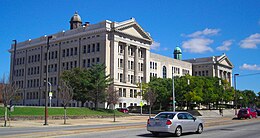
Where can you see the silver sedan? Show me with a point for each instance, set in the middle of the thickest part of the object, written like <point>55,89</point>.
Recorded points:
<point>174,122</point>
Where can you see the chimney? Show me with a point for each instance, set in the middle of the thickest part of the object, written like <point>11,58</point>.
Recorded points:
<point>86,24</point>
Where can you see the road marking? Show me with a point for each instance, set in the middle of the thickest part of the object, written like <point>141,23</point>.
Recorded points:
<point>73,131</point>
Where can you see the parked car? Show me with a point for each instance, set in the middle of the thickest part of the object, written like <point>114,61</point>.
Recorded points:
<point>247,113</point>
<point>258,111</point>
<point>175,123</point>
<point>123,110</point>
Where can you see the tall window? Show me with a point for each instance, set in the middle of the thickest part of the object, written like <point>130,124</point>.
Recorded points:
<point>120,92</point>
<point>84,49</point>
<point>164,72</point>
<point>88,48</point>
<point>93,47</point>
<point>98,47</point>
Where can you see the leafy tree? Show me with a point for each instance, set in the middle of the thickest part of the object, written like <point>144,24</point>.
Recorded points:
<point>163,89</point>
<point>88,84</point>
<point>77,79</point>
<point>98,82</point>
<point>66,94</point>
<point>246,98</point>
<point>195,92</point>
<point>181,88</point>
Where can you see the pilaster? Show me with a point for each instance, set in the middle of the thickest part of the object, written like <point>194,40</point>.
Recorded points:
<point>126,63</point>
<point>136,65</point>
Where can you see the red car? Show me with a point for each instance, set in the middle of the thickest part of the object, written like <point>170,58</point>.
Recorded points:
<point>247,113</point>
<point>123,110</point>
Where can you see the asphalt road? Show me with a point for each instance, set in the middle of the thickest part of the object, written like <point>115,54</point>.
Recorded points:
<point>240,130</point>
<point>215,129</point>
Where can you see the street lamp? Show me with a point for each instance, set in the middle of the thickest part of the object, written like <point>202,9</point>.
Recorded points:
<point>173,94</point>
<point>50,92</point>
<point>235,93</point>
<point>46,91</point>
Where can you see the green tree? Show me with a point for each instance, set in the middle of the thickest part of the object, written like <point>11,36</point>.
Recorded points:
<point>181,88</point>
<point>78,80</point>
<point>98,82</point>
<point>195,93</point>
<point>163,89</point>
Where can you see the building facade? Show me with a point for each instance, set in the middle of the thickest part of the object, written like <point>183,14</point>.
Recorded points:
<point>124,48</point>
<point>215,66</point>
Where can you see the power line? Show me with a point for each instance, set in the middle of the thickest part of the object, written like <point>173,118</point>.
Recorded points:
<point>252,74</point>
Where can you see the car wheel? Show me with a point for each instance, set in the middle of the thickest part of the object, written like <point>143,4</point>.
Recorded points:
<point>250,116</point>
<point>178,131</point>
<point>200,129</point>
<point>155,133</point>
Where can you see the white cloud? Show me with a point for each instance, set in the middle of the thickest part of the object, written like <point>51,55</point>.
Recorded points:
<point>155,45</point>
<point>203,33</point>
<point>250,42</point>
<point>197,45</point>
<point>225,45</point>
<point>250,67</point>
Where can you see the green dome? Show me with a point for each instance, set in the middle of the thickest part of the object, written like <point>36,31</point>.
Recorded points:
<point>177,53</point>
<point>177,49</point>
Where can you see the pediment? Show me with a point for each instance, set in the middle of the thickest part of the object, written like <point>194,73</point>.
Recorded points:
<point>225,61</point>
<point>134,29</point>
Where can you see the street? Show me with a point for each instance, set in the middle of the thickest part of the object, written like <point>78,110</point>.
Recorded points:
<point>214,128</point>
<point>240,130</point>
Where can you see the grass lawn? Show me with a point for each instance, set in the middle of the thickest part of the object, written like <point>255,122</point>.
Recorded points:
<point>59,111</point>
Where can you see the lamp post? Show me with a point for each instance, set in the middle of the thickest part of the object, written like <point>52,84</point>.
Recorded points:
<point>15,44</point>
<point>235,75</point>
<point>50,92</point>
<point>173,94</point>
<point>46,91</point>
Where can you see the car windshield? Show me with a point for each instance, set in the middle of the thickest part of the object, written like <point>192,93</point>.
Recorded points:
<point>243,110</point>
<point>165,116</point>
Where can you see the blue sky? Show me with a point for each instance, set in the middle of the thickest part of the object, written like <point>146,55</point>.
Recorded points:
<point>201,28</point>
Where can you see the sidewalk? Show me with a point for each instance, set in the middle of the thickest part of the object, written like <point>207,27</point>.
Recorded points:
<point>78,122</point>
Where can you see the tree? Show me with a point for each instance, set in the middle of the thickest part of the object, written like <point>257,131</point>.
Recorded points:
<point>66,94</point>
<point>163,89</point>
<point>150,96</point>
<point>112,98</point>
<point>98,82</point>
<point>181,87</point>
<point>77,79</point>
<point>8,91</point>
<point>88,84</point>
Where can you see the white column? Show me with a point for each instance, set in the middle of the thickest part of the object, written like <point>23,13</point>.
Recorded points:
<point>230,79</point>
<point>136,59</point>
<point>126,62</point>
<point>147,66</point>
<point>114,59</point>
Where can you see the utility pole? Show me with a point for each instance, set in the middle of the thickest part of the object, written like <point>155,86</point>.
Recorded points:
<point>173,94</point>
<point>47,73</point>
<point>235,93</point>
<point>14,61</point>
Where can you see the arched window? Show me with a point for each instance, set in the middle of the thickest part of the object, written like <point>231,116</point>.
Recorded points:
<point>164,72</point>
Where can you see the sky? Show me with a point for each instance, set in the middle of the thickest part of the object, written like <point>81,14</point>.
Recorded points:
<point>200,28</point>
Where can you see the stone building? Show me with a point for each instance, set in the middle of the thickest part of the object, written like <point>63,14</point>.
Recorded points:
<point>124,47</point>
<point>215,66</point>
